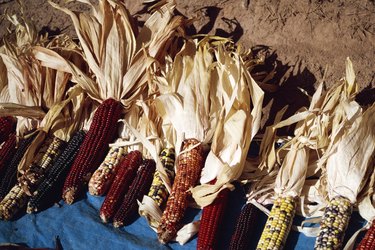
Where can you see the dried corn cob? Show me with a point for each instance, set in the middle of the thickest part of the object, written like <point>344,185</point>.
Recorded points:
<point>158,192</point>
<point>35,174</point>
<point>137,189</point>
<point>93,150</point>
<point>10,175</point>
<point>368,242</point>
<point>190,164</point>
<point>334,223</point>
<point>6,153</point>
<point>124,177</point>
<point>211,219</point>
<point>13,202</point>
<point>51,187</point>
<point>7,126</point>
<point>102,178</point>
<point>16,199</point>
<point>241,237</point>
<point>278,224</point>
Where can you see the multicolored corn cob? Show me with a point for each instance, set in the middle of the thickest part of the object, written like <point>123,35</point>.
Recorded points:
<point>93,150</point>
<point>43,161</point>
<point>7,151</point>
<point>123,179</point>
<point>241,238</point>
<point>211,219</point>
<point>50,188</point>
<point>368,242</point>
<point>334,222</point>
<point>138,188</point>
<point>278,224</point>
<point>10,175</point>
<point>7,126</point>
<point>14,201</point>
<point>158,191</point>
<point>103,177</point>
<point>189,167</point>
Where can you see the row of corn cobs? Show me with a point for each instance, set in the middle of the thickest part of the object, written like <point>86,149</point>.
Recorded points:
<point>126,177</point>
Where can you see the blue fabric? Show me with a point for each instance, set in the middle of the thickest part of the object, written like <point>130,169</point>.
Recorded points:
<point>79,227</point>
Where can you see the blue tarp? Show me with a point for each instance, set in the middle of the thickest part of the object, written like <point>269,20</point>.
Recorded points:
<point>79,227</point>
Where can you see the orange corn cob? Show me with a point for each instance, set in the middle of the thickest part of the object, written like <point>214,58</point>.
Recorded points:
<point>93,149</point>
<point>124,177</point>
<point>189,167</point>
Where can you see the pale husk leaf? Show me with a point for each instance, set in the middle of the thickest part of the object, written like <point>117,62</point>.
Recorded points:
<point>366,204</point>
<point>350,158</point>
<point>110,48</point>
<point>235,130</point>
<point>189,109</point>
<point>57,120</point>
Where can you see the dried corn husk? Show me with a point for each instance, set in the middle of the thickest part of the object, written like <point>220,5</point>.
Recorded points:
<point>115,54</point>
<point>46,88</point>
<point>348,161</point>
<point>32,87</point>
<point>194,109</point>
<point>190,109</point>
<point>366,208</point>
<point>148,208</point>
<point>62,120</point>
<point>366,204</point>
<point>317,127</point>
<point>236,128</point>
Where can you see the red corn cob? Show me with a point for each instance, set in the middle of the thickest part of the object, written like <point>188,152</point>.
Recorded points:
<point>6,127</point>
<point>241,237</point>
<point>189,167</point>
<point>124,177</point>
<point>6,152</point>
<point>137,189</point>
<point>211,219</point>
<point>368,242</point>
<point>93,150</point>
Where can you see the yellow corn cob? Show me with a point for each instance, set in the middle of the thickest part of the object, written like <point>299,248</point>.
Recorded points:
<point>102,178</point>
<point>334,223</point>
<point>13,202</point>
<point>278,224</point>
<point>158,192</point>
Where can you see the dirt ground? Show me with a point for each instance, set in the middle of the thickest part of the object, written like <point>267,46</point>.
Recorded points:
<point>306,36</point>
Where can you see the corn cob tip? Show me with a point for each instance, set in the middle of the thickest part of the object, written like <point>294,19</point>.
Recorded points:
<point>69,195</point>
<point>104,218</point>
<point>118,224</point>
<point>93,191</point>
<point>30,209</point>
<point>165,235</point>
